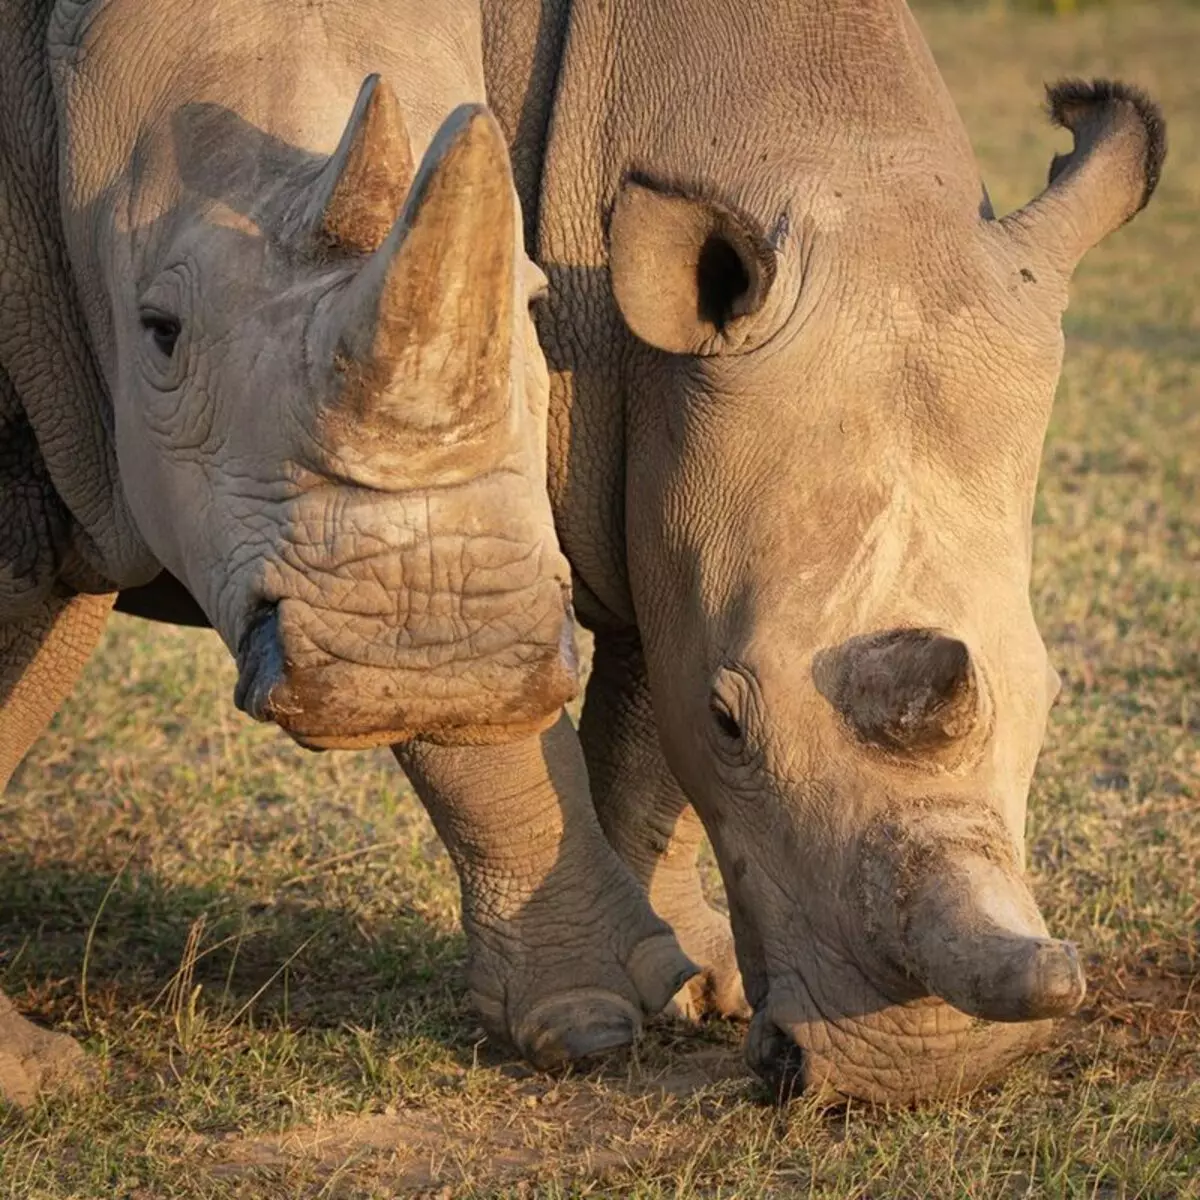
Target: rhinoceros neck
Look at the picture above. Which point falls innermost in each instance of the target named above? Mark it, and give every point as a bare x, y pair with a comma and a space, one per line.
522, 52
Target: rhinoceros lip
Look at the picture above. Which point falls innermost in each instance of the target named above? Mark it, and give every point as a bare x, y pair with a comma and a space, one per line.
260, 664
776, 1059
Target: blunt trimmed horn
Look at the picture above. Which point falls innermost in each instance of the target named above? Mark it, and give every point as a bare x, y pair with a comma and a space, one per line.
944, 902
422, 337
1108, 176
906, 691
360, 191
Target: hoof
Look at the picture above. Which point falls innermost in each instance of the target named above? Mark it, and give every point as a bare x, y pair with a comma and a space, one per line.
575, 1026
551, 1027
716, 989
708, 995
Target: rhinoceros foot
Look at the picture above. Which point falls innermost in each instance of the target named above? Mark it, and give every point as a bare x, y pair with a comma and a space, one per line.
705, 937
572, 1004
32, 1058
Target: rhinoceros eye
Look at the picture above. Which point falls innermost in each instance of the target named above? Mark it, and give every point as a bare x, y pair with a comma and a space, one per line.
164, 331
727, 723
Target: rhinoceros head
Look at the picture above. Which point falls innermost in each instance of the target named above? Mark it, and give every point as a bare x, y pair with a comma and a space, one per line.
328, 396
832, 458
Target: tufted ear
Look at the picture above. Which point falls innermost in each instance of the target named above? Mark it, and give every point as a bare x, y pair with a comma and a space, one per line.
686, 271
1107, 177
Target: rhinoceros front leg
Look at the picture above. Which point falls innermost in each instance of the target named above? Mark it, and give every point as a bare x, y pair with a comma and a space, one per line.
40, 660
565, 954
649, 821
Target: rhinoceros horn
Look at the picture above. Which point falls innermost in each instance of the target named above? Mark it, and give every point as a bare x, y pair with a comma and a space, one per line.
945, 903
422, 337
357, 196
976, 939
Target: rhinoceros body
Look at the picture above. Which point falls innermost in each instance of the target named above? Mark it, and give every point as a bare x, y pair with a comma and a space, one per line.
801, 376
244, 338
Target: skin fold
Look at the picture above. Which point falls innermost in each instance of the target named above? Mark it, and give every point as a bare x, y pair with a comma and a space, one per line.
266, 325
801, 375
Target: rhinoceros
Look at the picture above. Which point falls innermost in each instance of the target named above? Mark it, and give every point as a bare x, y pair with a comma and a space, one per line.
800, 379
243, 339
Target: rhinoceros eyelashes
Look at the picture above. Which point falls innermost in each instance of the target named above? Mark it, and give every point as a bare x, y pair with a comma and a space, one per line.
163, 330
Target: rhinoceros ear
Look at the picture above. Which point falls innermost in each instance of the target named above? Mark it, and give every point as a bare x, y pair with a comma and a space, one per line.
361, 190
687, 272
1108, 176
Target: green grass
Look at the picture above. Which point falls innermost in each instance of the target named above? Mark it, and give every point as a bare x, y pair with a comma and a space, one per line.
260, 949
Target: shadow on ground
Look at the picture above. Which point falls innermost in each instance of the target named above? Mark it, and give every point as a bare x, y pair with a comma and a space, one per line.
287, 957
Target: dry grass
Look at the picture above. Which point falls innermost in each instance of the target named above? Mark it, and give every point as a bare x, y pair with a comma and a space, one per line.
271, 990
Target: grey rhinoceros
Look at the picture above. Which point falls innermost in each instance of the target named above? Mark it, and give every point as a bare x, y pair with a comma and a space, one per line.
800, 378
242, 339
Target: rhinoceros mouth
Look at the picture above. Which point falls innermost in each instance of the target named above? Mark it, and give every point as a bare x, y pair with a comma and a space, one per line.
471, 692
866, 1046
261, 665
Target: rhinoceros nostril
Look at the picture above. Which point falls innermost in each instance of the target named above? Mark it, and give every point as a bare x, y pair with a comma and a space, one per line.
260, 663
776, 1059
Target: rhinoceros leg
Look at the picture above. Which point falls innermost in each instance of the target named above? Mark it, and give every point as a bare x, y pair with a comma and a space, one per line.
40, 659
654, 829
565, 953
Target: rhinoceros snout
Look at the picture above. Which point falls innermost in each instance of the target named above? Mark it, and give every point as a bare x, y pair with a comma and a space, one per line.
383, 686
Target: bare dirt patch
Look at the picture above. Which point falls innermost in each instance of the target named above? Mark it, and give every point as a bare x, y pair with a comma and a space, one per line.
587, 1129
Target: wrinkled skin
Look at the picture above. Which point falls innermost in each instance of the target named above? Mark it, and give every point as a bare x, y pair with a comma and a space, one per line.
800, 381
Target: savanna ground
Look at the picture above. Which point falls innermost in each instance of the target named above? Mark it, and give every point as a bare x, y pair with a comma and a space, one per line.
259, 946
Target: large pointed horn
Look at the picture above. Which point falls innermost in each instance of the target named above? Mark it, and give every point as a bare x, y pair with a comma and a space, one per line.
361, 189
423, 335
1108, 176
946, 905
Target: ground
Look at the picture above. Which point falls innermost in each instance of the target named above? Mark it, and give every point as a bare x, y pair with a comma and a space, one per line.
259, 946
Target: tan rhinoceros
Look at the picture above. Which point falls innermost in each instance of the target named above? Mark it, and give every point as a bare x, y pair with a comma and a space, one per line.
243, 340
801, 375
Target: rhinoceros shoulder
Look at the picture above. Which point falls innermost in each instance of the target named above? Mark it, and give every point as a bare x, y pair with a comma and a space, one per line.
59, 489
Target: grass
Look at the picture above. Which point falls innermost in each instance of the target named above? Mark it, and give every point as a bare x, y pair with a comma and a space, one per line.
259, 946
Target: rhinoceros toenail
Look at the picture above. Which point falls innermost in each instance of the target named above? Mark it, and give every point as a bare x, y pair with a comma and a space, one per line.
598, 1039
